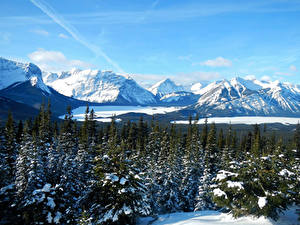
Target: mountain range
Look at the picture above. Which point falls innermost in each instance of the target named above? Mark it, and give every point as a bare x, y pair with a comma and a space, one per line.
25, 84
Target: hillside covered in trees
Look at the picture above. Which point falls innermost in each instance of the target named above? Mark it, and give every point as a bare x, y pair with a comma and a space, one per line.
71, 173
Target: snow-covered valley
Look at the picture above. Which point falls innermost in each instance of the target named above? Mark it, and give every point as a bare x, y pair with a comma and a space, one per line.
289, 217
245, 120
104, 112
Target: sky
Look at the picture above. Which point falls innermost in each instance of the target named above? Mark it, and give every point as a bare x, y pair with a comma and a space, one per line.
188, 41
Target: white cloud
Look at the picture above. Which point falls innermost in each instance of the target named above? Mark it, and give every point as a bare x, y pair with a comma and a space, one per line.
250, 77
217, 62
40, 32
197, 76
147, 80
266, 78
55, 61
293, 68
61, 35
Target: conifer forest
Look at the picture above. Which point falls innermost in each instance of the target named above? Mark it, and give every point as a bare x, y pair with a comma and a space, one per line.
68, 172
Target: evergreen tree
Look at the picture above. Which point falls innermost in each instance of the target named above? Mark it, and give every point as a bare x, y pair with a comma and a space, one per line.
221, 141
5, 178
10, 148
8, 154
297, 140
19, 132
8, 209
67, 148
121, 193
211, 167
256, 147
153, 152
204, 134
86, 152
193, 169
31, 177
166, 176
257, 187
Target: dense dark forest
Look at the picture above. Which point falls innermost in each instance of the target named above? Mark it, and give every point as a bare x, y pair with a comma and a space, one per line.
71, 173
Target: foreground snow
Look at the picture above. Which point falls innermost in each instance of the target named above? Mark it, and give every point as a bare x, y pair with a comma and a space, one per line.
245, 120
215, 218
109, 111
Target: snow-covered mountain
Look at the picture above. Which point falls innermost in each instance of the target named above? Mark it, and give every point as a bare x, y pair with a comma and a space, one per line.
12, 72
165, 87
23, 83
196, 88
99, 86
180, 98
22, 86
248, 97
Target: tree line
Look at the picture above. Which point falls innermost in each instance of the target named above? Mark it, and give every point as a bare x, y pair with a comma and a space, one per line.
71, 173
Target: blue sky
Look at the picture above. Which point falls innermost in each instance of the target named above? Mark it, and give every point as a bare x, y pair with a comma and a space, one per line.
187, 41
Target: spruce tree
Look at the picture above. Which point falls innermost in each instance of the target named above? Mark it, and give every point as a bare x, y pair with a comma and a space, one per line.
297, 140
121, 193
211, 167
10, 148
67, 148
258, 186
204, 134
193, 169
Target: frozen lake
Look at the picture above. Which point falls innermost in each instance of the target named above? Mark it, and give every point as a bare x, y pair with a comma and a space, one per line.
245, 120
108, 111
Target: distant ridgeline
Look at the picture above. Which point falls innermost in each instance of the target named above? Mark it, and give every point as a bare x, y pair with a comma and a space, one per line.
24, 87
69, 174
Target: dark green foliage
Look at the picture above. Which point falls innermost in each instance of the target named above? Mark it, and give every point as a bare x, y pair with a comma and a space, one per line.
297, 140
88, 173
120, 189
204, 135
254, 187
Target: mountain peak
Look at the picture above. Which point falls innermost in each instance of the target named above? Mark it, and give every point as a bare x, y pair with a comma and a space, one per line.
99, 86
164, 87
12, 72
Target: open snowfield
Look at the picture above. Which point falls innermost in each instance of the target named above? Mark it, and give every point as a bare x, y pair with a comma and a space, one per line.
215, 218
245, 120
108, 111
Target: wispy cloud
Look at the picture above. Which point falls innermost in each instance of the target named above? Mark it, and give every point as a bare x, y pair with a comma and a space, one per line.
40, 32
266, 78
48, 10
61, 35
55, 61
197, 76
177, 12
250, 77
148, 12
217, 62
283, 74
180, 12
147, 80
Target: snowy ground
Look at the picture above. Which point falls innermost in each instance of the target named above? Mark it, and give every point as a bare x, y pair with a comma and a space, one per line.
108, 111
246, 120
215, 218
